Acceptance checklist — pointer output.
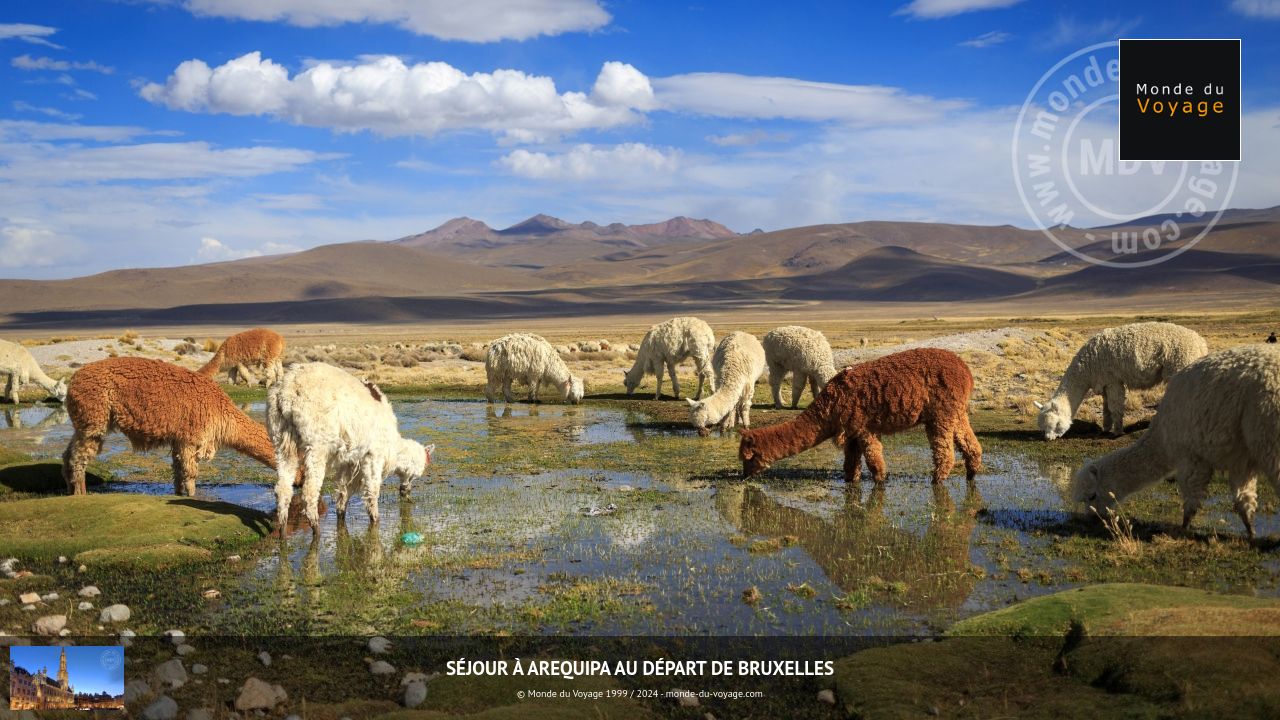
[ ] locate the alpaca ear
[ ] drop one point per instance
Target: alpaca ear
(429, 450)
(692, 403)
(1039, 405)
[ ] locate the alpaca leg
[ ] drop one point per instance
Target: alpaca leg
(535, 386)
(815, 387)
(288, 475)
(776, 376)
(797, 388)
(944, 451)
(853, 451)
(1113, 397)
(79, 452)
(970, 448)
(675, 382)
(244, 375)
(313, 471)
(342, 492)
(658, 369)
(11, 389)
(873, 451)
(506, 390)
(744, 406)
(1245, 489)
(371, 477)
(1193, 485)
(185, 469)
(489, 389)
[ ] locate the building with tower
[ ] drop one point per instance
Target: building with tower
(38, 691)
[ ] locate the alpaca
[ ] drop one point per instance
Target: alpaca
(1136, 356)
(884, 396)
(259, 346)
(321, 417)
(738, 363)
(1221, 413)
(531, 359)
(802, 352)
(16, 362)
(154, 404)
(666, 345)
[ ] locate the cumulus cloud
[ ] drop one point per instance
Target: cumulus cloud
(589, 162)
(933, 9)
(1258, 8)
(27, 130)
(474, 21)
(26, 62)
(27, 245)
(750, 96)
(747, 139)
(44, 163)
(214, 250)
(387, 96)
(987, 39)
(34, 34)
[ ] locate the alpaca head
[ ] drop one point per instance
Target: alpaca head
(1092, 486)
(573, 390)
(59, 391)
(700, 416)
(412, 459)
(631, 379)
(1055, 417)
(752, 461)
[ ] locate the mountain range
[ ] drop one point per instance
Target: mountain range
(545, 266)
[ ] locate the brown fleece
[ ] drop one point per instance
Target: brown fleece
(258, 346)
(156, 404)
(927, 387)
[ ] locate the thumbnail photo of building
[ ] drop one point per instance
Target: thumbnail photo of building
(98, 670)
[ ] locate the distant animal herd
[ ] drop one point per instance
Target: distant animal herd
(1220, 411)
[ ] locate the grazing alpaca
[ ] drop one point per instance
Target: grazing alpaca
(259, 346)
(532, 360)
(155, 404)
(322, 417)
(738, 363)
(802, 352)
(17, 363)
(885, 396)
(668, 344)
(1137, 356)
(1221, 413)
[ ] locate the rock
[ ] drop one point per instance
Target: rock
(164, 708)
(233, 558)
(49, 625)
(62, 559)
(29, 598)
(413, 677)
(83, 568)
(198, 669)
(827, 697)
(85, 605)
(415, 693)
(382, 667)
(49, 597)
(64, 632)
(185, 649)
(379, 645)
(264, 657)
(200, 714)
(686, 698)
(292, 717)
(8, 567)
(114, 614)
(89, 591)
(211, 594)
(223, 681)
(177, 637)
(28, 608)
(171, 673)
(258, 695)
(4, 601)
(136, 690)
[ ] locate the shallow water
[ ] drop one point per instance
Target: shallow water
(513, 550)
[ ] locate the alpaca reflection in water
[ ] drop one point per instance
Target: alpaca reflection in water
(859, 549)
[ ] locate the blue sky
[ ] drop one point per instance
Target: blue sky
(167, 132)
(86, 670)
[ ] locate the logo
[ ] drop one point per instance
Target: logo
(111, 658)
(1095, 206)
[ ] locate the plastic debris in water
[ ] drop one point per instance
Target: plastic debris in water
(594, 511)
(411, 538)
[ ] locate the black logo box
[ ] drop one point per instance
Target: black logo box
(1185, 67)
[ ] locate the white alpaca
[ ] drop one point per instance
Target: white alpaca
(324, 418)
(1221, 413)
(738, 363)
(668, 344)
(17, 363)
(802, 352)
(1129, 357)
(531, 360)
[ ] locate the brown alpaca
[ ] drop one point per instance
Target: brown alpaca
(259, 346)
(156, 404)
(927, 387)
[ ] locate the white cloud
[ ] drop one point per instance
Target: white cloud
(987, 39)
(43, 163)
(1258, 8)
(1070, 31)
(28, 245)
(289, 201)
(933, 9)
(34, 34)
(214, 250)
(22, 106)
(26, 62)
(475, 20)
(11, 130)
(747, 139)
(625, 162)
(388, 97)
(750, 96)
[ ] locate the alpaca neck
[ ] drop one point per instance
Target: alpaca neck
(789, 438)
(214, 365)
(244, 435)
(37, 376)
(725, 398)
(1141, 464)
(1073, 388)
